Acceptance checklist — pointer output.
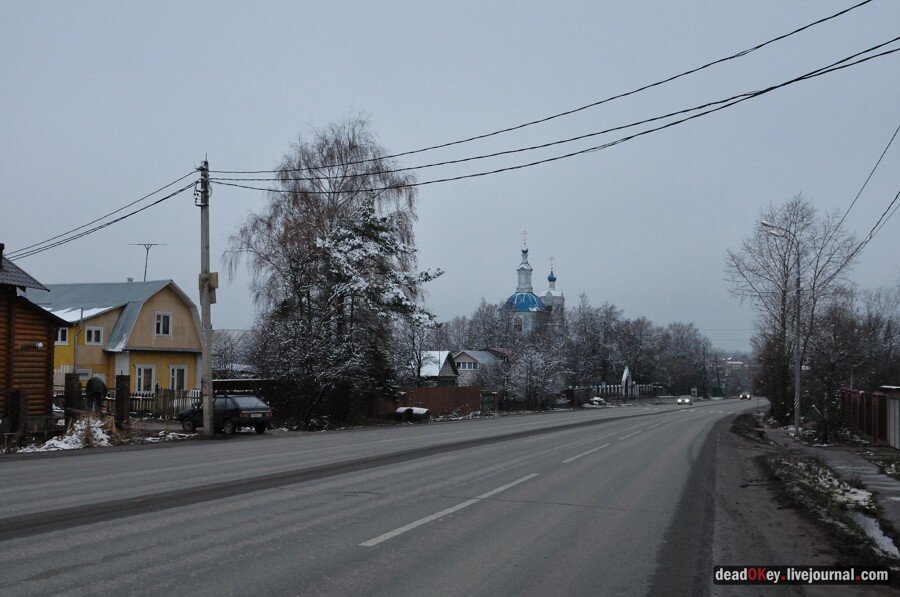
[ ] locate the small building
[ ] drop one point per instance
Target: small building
(469, 362)
(438, 367)
(26, 353)
(149, 330)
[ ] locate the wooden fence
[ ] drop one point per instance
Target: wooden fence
(868, 412)
(163, 404)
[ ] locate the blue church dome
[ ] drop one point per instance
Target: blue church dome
(551, 277)
(524, 302)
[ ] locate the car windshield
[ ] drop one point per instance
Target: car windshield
(249, 402)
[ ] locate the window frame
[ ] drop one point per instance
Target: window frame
(138, 378)
(172, 370)
(87, 333)
(156, 323)
(62, 342)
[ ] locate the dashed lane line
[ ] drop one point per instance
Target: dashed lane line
(417, 523)
(591, 451)
(630, 435)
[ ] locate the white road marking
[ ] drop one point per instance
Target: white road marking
(653, 426)
(630, 435)
(445, 512)
(577, 456)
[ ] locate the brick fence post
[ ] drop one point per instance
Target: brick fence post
(123, 401)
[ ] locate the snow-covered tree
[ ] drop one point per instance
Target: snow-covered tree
(333, 262)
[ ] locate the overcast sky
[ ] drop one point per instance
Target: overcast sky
(103, 102)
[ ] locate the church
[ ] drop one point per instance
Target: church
(525, 310)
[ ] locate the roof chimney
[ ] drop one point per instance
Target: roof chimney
(129, 279)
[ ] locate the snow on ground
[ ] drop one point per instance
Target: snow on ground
(823, 479)
(84, 433)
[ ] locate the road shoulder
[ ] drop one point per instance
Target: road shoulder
(733, 512)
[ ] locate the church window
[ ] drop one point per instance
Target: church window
(517, 324)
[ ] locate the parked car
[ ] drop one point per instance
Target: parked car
(745, 396)
(230, 413)
(684, 400)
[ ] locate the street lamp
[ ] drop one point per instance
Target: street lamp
(785, 233)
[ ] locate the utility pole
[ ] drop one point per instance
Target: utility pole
(208, 283)
(147, 258)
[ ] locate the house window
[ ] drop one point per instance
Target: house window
(93, 335)
(163, 324)
(62, 335)
(144, 378)
(466, 365)
(84, 374)
(177, 377)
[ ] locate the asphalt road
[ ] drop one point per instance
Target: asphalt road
(605, 501)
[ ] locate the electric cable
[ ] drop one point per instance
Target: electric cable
(24, 254)
(15, 254)
(574, 110)
(731, 102)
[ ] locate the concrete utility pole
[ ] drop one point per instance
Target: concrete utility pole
(207, 297)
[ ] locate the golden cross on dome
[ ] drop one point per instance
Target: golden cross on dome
(552, 261)
(524, 238)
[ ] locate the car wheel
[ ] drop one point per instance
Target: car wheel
(188, 426)
(260, 429)
(228, 427)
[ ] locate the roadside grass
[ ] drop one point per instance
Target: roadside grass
(811, 487)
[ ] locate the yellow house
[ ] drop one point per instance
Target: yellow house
(149, 330)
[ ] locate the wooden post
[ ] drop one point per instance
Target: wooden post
(73, 400)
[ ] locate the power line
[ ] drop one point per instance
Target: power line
(747, 95)
(835, 66)
(571, 111)
(15, 254)
(869, 177)
(24, 254)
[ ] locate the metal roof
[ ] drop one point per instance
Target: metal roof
(67, 301)
(12, 275)
(433, 362)
(482, 356)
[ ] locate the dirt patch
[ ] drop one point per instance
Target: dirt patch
(758, 521)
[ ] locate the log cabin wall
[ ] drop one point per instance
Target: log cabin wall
(23, 365)
(7, 302)
(32, 366)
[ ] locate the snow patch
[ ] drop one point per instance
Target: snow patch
(84, 433)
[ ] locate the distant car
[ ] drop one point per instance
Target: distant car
(745, 396)
(684, 400)
(230, 413)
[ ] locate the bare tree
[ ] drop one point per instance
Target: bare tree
(763, 270)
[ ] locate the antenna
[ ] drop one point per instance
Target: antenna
(147, 248)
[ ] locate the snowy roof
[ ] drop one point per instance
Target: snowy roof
(12, 275)
(524, 302)
(432, 362)
(482, 356)
(67, 300)
(553, 292)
